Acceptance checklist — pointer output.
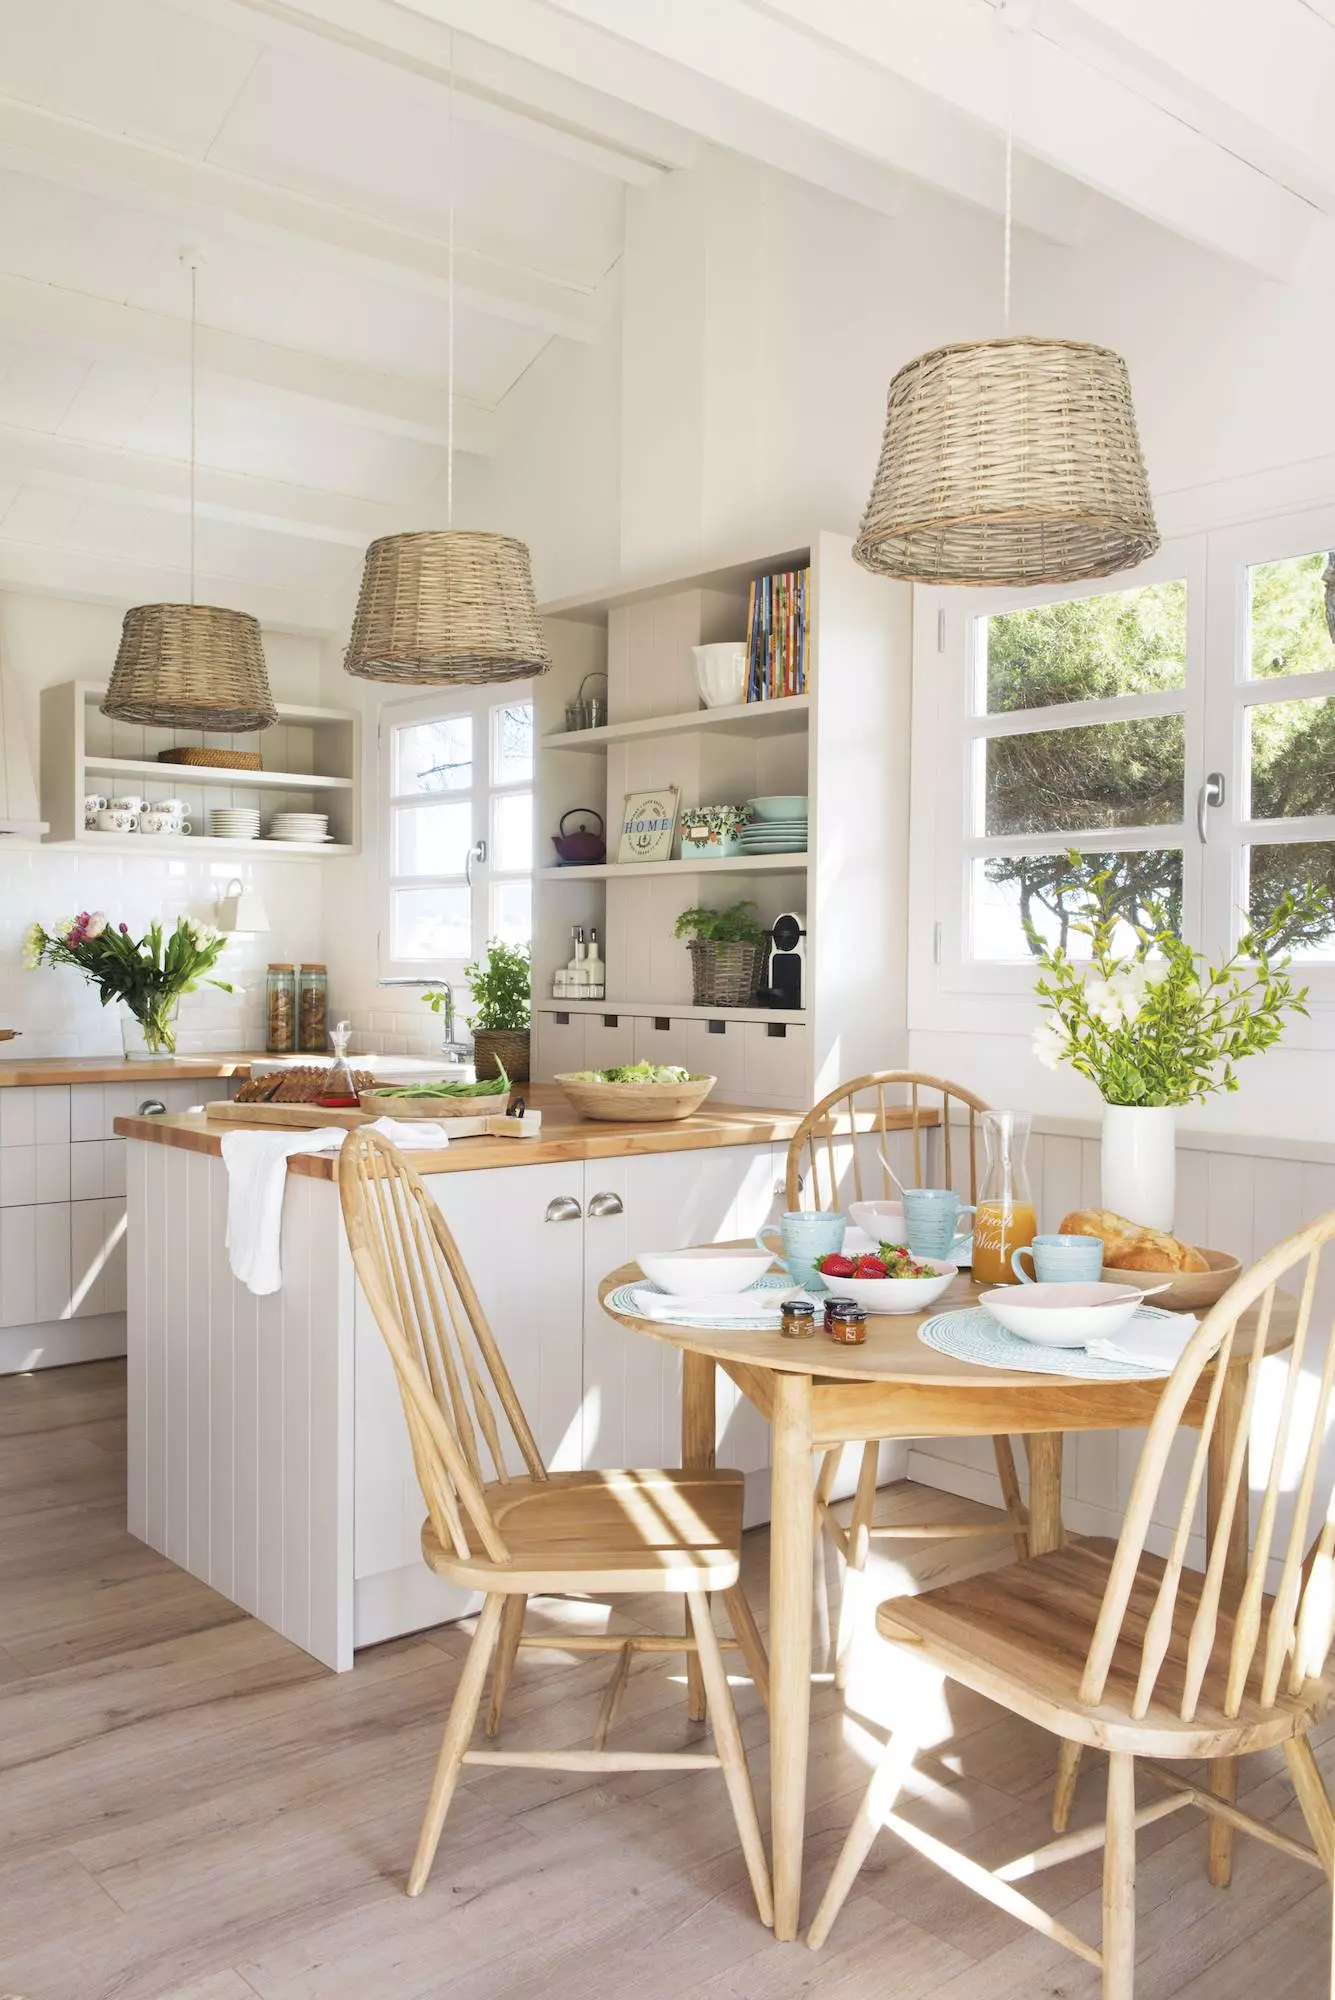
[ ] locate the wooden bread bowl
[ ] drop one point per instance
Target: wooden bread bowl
(1190, 1291)
(637, 1103)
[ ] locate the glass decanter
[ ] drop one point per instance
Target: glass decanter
(1005, 1218)
(339, 1089)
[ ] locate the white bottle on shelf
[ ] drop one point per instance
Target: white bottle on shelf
(578, 969)
(595, 970)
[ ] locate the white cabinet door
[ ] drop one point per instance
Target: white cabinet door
(632, 1383)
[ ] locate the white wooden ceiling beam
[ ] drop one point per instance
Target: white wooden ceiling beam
(551, 113)
(1068, 111)
(825, 117)
(77, 323)
(205, 196)
(77, 466)
(45, 570)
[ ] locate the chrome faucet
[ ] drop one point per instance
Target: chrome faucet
(451, 1048)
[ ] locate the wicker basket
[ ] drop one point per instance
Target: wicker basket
(1009, 462)
(214, 760)
(725, 975)
(493, 1047)
(447, 607)
(191, 666)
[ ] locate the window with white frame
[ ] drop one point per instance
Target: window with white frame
(457, 775)
(1176, 725)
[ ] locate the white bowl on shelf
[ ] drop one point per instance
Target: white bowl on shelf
(720, 673)
(1062, 1315)
(895, 1295)
(708, 1268)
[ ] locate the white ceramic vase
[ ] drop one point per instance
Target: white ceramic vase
(720, 673)
(1139, 1164)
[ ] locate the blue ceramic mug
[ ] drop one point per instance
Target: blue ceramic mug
(1061, 1260)
(804, 1235)
(932, 1220)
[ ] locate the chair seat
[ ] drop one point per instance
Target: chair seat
(623, 1531)
(1021, 1635)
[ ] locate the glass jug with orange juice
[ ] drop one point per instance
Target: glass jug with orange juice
(1005, 1217)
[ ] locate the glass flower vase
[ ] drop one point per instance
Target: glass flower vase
(151, 1036)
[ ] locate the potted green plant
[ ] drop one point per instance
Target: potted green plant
(1154, 1026)
(501, 988)
(727, 950)
(147, 975)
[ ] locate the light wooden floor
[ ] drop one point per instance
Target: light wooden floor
(191, 1807)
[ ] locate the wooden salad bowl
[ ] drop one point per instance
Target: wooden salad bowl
(637, 1103)
(1190, 1291)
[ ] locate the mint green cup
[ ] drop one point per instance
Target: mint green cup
(1060, 1260)
(932, 1219)
(804, 1236)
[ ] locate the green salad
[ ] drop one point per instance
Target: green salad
(640, 1072)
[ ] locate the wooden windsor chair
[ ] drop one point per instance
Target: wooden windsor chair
(523, 1530)
(836, 1148)
(1133, 1653)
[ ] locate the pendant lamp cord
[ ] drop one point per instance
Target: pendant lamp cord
(449, 306)
(194, 284)
(1010, 27)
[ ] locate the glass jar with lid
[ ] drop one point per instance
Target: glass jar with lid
(280, 1010)
(313, 1009)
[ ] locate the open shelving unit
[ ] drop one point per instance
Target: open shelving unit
(311, 765)
(844, 743)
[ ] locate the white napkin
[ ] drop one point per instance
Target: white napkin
(256, 1164)
(1153, 1339)
(413, 1135)
(714, 1305)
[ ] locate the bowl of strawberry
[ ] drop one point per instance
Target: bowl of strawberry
(886, 1280)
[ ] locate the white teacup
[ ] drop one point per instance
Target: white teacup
(130, 802)
(156, 820)
(117, 819)
(178, 808)
(95, 802)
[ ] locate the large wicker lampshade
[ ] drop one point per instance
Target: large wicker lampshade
(191, 666)
(1013, 461)
(447, 607)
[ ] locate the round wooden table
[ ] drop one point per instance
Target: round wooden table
(816, 1394)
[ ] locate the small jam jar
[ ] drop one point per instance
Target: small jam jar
(797, 1319)
(846, 1322)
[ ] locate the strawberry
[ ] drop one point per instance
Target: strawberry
(835, 1266)
(870, 1267)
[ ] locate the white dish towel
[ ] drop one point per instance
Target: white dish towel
(412, 1135)
(256, 1164)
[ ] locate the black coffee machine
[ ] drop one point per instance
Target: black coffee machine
(785, 974)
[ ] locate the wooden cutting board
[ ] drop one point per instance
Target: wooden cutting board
(309, 1116)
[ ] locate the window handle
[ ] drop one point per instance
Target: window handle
(477, 852)
(1211, 794)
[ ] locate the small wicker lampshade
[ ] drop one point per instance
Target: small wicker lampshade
(191, 666)
(447, 607)
(1011, 461)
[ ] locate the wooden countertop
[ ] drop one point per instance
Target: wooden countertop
(20, 1070)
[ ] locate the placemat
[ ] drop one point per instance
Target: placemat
(622, 1300)
(971, 1334)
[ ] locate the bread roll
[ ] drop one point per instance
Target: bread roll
(1128, 1247)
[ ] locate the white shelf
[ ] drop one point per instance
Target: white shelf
(674, 1009)
(788, 713)
(739, 864)
(215, 774)
(203, 843)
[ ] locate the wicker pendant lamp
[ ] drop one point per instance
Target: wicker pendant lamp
(191, 666)
(447, 607)
(1012, 461)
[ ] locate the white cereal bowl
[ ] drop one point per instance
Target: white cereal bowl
(709, 1268)
(882, 1220)
(895, 1295)
(1062, 1315)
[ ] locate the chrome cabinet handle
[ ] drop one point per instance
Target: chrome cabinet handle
(606, 1204)
(564, 1209)
(1211, 794)
(152, 1107)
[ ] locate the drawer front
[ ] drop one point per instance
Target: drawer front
(608, 1040)
(717, 1048)
(776, 1064)
(660, 1039)
(560, 1045)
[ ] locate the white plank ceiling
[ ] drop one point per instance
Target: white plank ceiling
(302, 147)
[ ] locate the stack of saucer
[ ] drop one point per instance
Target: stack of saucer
(777, 825)
(299, 826)
(234, 823)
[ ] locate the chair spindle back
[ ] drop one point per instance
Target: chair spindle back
(458, 1397)
(1245, 1646)
(861, 1107)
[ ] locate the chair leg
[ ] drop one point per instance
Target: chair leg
(1010, 1493)
(1119, 1880)
(887, 1781)
(747, 1634)
(1063, 1794)
(512, 1626)
(859, 1543)
(1224, 1785)
(1313, 1798)
(458, 1729)
(732, 1757)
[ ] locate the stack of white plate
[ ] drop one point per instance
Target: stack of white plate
(299, 826)
(234, 823)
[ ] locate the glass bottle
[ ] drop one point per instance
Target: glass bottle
(280, 1011)
(312, 1010)
(594, 969)
(339, 1088)
(1005, 1218)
